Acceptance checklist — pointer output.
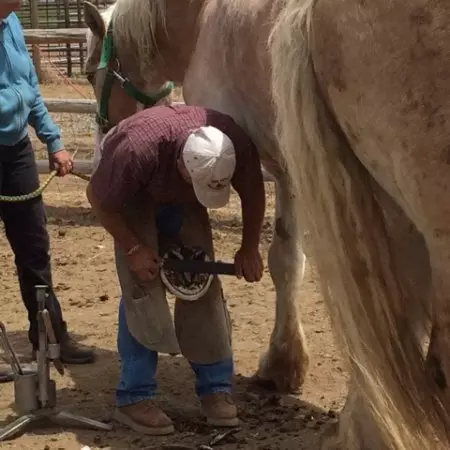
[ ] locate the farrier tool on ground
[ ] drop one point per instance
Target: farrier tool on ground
(35, 393)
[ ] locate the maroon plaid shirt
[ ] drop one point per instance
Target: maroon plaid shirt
(139, 157)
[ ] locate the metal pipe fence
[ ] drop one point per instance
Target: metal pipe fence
(53, 14)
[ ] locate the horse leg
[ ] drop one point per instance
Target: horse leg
(438, 356)
(410, 258)
(432, 217)
(433, 361)
(356, 428)
(286, 361)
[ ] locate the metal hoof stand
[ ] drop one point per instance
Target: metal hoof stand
(35, 393)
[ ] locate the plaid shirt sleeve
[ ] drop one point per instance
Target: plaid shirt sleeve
(121, 173)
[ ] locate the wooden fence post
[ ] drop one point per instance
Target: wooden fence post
(34, 16)
(68, 51)
(80, 24)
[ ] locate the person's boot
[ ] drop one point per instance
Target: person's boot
(219, 410)
(144, 417)
(72, 352)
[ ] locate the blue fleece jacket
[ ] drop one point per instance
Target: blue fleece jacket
(20, 101)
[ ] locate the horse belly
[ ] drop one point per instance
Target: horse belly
(230, 71)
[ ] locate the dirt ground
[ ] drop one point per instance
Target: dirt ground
(86, 283)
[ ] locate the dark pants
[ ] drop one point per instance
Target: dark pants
(25, 226)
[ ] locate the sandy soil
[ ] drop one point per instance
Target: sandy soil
(86, 283)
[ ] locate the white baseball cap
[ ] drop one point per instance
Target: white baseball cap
(210, 160)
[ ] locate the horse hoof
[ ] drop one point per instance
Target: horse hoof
(282, 371)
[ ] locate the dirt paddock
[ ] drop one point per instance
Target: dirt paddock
(86, 283)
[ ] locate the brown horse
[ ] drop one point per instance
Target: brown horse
(362, 95)
(217, 50)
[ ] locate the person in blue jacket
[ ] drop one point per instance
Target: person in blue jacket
(25, 222)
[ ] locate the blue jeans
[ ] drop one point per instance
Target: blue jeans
(138, 363)
(138, 368)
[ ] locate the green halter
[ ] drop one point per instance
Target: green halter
(148, 100)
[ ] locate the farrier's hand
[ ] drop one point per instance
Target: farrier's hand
(144, 262)
(61, 161)
(248, 264)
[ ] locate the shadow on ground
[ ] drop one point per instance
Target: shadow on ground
(269, 420)
(71, 215)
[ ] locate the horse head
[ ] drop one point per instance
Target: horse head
(123, 64)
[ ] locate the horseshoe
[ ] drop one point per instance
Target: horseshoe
(187, 272)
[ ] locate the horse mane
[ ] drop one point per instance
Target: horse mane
(107, 12)
(135, 23)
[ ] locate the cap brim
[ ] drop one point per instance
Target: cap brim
(210, 198)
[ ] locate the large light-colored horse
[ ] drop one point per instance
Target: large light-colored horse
(362, 94)
(218, 50)
(381, 79)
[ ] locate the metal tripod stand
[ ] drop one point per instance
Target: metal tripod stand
(35, 393)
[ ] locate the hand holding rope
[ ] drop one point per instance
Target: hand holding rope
(41, 189)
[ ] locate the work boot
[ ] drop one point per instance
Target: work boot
(144, 417)
(71, 352)
(219, 410)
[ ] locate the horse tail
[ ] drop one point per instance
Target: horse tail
(362, 289)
